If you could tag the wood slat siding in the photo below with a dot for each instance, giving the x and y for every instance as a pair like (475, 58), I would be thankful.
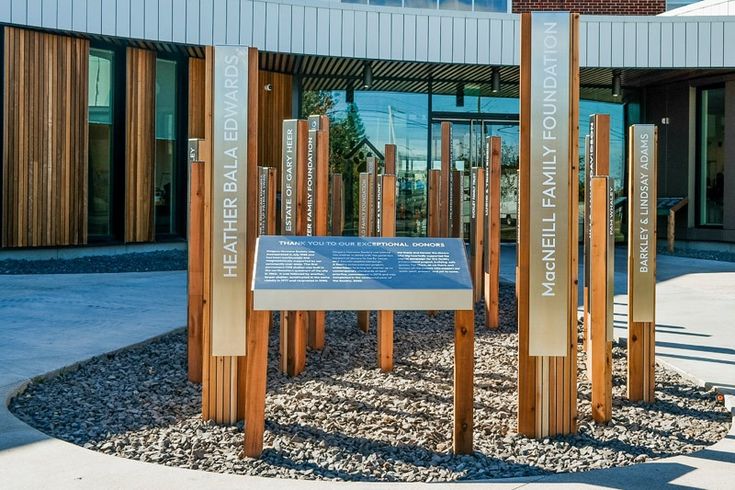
(196, 97)
(361, 31)
(45, 139)
(140, 141)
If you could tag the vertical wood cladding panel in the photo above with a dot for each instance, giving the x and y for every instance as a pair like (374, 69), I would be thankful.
(45, 136)
(140, 140)
(277, 107)
(196, 97)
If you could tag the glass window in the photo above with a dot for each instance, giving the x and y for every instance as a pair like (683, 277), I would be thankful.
(474, 103)
(387, 3)
(617, 138)
(100, 100)
(491, 5)
(711, 156)
(420, 4)
(166, 123)
(455, 4)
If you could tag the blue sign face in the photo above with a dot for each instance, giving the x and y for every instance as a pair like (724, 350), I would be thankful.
(386, 273)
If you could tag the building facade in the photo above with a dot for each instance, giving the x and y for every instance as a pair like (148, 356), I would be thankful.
(99, 98)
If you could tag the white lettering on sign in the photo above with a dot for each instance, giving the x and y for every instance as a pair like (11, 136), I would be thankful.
(310, 168)
(230, 158)
(644, 200)
(549, 170)
(288, 179)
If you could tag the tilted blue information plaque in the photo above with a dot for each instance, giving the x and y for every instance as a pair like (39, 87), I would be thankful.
(359, 273)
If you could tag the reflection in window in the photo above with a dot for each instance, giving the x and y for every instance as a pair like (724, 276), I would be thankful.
(100, 100)
(420, 4)
(455, 4)
(387, 3)
(165, 146)
(712, 156)
(491, 5)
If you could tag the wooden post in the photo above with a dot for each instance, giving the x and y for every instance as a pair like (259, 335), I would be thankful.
(195, 271)
(597, 158)
(671, 224)
(387, 229)
(390, 159)
(457, 197)
(602, 280)
(444, 186)
(464, 368)
(364, 230)
(547, 385)
(338, 205)
(642, 198)
(477, 230)
(434, 205)
(492, 238)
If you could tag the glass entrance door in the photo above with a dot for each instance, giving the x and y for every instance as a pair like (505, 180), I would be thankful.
(468, 145)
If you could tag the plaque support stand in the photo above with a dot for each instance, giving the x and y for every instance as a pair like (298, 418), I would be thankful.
(195, 271)
(492, 234)
(464, 372)
(477, 230)
(547, 385)
(387, 229)
(601, 297)
(337, 205)
(641, 334)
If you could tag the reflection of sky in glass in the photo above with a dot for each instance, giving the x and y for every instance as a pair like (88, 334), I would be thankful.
(617, 134)
(455, 4)
(475, 104)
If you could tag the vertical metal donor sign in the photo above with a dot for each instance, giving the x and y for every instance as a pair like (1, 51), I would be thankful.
(642, 213)
(310, 177)
(549, 213)
(229, 201)
(642, 236)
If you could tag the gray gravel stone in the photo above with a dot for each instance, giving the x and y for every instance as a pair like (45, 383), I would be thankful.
(343, 419)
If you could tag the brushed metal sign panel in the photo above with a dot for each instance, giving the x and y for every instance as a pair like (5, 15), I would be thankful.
(310, 180)
(588, 171)
(289, 187)
(486, 211)
(610, 258)
(262, 201)
(549, 184)
(363, 218)
(229, 201)
(642, 211)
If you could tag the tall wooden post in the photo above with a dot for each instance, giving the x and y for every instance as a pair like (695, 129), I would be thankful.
(492, 236)
(456, 206)
(547, 302)
(434, 205)
(447, 164)
(364, 230)
(337, 205)
(477, 229)
(602, 284)
(195, 270)
(642, 169)
(224, 376)
(390, 160)
(597, 160)
(387, 229)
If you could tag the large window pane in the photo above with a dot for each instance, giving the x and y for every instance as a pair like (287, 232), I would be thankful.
(100, 102)
(420, 4)
(165, 146)
(455, 4)
(712, 156)
(491, 5)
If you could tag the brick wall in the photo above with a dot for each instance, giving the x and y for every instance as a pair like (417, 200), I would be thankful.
(619, 7)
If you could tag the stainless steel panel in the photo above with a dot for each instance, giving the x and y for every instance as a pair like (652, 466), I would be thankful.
(642, 212)
(289, 177)
(549, 257)
(229, 201)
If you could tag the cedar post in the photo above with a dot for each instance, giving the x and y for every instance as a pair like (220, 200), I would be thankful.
(477, 229)
(642, 199)
(457, 198)
(390, 160)
(321, 204)
(387, 229)
(337, 205)
(547, 384)
(445, 202)
(492, 236)
(464, 365)
(434, 225)
(195, 270)
(255, 387)
(364, 228)
(602, 241)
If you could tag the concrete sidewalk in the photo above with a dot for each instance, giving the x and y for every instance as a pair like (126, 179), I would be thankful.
(52, 321)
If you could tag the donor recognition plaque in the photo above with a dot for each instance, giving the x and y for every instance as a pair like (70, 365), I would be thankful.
(354, 273)
(229, 201)
(549, 256)
(642, 225)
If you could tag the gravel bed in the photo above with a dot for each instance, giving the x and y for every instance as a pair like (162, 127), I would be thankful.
(165, 260)
(344, 419)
